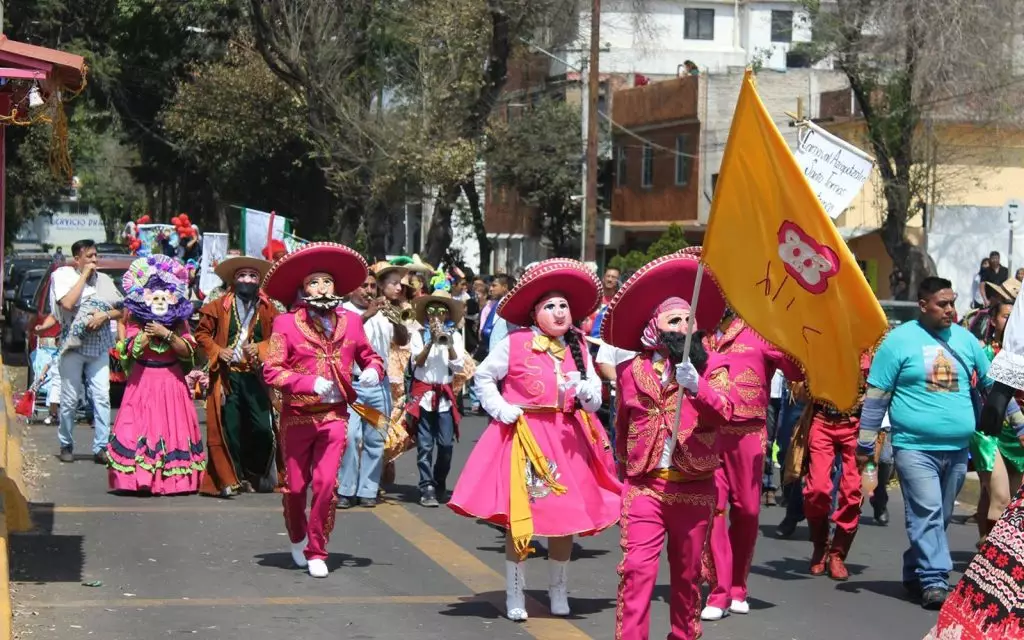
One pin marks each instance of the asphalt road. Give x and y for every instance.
(125, 568)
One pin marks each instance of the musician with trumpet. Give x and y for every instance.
(437, 354)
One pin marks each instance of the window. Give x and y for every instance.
(620, 165)
(782, 26)
(684, 163)
(647, 171)
(699, 24)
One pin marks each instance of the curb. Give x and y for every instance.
(12, 499)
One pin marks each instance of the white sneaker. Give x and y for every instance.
(558, 588)
(318, 568)
(712, 613)
(740, 606)
(515, 599)
(298, 555)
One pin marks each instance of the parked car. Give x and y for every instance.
(23, 311)
(899, 311)
(113, 266)
(111, 248)
(15, 271)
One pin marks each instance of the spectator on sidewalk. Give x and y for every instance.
(995, 273)
(70, 288)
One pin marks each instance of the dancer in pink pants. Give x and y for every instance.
(669, 478)
(752, 362)
(310, 358)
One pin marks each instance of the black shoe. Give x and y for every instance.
(368, 502)
(913, 589)
(881, 515)
(428, 498)
(933, 598)
(346, 503)
(786, 528)
(66, 454)
(101, 457)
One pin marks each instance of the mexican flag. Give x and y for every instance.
(255, 225)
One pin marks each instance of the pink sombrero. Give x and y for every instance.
(571, 278)
(284, 279)
(664, 277)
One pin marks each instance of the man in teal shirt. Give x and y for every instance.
(922, 374)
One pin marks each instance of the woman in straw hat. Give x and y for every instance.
(986, 603)
(309, 359)
(543, 466)
(668, 460)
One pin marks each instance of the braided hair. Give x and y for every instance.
(573, 339)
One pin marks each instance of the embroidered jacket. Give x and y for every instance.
(752, 362)
(299, 353)
(647, 414)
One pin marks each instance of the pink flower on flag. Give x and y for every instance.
(807, 261)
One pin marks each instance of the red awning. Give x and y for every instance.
(68, 68)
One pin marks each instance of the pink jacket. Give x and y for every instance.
(647, 413)
(298, 353)
(752, 362)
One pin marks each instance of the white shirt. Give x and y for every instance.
(437, 368)
(379, 331)
(778, 382)
(607, 354)
(494, 368)
(62, 281)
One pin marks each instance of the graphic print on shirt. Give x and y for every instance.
(940, 370)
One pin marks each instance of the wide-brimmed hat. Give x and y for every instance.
(571, 278)
(229, 266)
(284, 279)
(672, 275)
(455, 307)
(1008, 290)
(382, 268)
(414, 264)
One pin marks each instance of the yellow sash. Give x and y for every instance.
(525, 447)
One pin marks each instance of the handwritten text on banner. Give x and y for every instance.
(834, 168)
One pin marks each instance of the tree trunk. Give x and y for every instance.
(377, 231)
(439, 236)
(469, 188)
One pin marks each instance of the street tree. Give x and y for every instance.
(914, 67)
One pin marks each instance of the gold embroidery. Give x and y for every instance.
(747, 393)
(718, 344)
(719, 380)
(737, 348)
(749, 377)
(747, 411)
(743, 430)
(707, 439)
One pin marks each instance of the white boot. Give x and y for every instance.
(712, 613)
(558, 587)
(739, 606)
(298, 555)
(318, 568)
(515, 582)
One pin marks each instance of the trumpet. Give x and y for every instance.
(440, 336)
(396, 315)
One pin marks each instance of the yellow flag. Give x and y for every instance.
(780, 261)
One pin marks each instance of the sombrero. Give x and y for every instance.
(414, 264)
(382, 268)
(228, 267)
(346, 266)
(571, 278)
(661, 278)
(455, 307)
(1008, 290)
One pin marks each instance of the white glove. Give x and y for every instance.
(589, 393)
(369, 378)
(687, 376)
(322, 386)
(508, 413)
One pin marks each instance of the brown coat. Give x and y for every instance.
(212, 337)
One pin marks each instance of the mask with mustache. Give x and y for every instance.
(323, 303)
(246, 290)
(675, 342)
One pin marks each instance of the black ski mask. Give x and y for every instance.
(246, 291)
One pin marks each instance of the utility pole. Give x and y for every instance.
(588, 241)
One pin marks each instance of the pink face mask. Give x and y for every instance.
(552, 315)
(670, 316)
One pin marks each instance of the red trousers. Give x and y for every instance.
(312, 454)
(738, 482)
(827, 439)
(651, 509)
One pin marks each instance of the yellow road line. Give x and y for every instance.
(143, 603)
(470, 571)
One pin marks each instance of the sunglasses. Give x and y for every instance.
(436, 311)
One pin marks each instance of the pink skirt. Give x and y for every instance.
(582, 465)
(156, 445)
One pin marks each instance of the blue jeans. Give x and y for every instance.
(363, 461)
(75, 371)
(880, 497)
(930, 482)
(788, 416)
(436, 431)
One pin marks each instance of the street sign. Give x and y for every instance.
(1014, 209)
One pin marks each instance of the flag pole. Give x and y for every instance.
(686, 354)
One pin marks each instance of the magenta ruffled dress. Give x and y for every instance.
(581, 455)
(155, 444)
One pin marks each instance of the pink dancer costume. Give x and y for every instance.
(568, 487)
(313, 348)
(156, 445)
(670, 491)
(752, 362)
